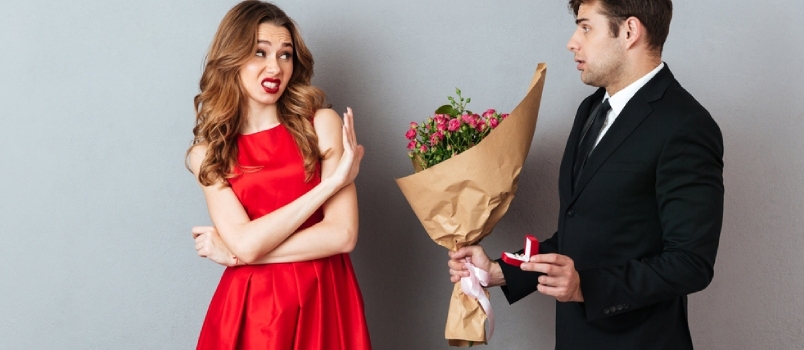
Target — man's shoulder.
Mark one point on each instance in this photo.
(677, 99)
(667, 91)
(680, 108)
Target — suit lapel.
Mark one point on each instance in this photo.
(565, 172)
(635, 111)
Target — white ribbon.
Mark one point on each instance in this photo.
(472, 287)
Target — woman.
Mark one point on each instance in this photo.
(277, 171)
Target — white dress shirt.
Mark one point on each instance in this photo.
(621, 98)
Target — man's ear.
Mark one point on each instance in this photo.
(634, 30)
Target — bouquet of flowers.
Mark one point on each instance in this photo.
(452, 130)
(467, 168)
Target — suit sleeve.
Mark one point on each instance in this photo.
(519, 283)
(689, 198)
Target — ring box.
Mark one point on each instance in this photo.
(531, 248)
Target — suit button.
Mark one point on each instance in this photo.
(606, 311)
(612, 309)
(619, 307)
(570, 213)
(626, 306)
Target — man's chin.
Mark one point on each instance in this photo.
(591, 82)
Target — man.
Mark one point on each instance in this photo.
(640, 188)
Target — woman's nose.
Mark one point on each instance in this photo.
(271, 66)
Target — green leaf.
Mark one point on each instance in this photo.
(445, 109)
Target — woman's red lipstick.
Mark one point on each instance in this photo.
(270, 85)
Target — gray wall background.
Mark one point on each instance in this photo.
(96, 206)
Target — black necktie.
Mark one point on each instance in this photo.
(588, 142)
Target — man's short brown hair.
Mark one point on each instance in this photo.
(655, 15)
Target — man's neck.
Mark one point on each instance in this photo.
(633, 73)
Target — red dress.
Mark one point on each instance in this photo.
(302, 305)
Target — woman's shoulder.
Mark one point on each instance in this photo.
(327, 122)
(195, 156)
(326, 116)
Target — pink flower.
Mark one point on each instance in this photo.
(434, 140)
(489, 113)
(412, 145)
(454, 125)
(423, 149)
(481, 125)
(504, 115)
(440, 135)
(473, 120)
(493, 122)
(413, 125)
(441, 118)
(470, 119)
(441, 125)
(411, 134)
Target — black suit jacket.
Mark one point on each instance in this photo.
(643, 224)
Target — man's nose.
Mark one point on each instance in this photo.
(572, 45)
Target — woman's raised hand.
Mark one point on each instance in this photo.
(349, 165)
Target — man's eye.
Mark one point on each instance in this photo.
(585, 29)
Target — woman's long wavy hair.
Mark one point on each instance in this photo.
(220, 108)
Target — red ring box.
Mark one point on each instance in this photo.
(531, 248)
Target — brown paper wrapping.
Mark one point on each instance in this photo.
(459, 201)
